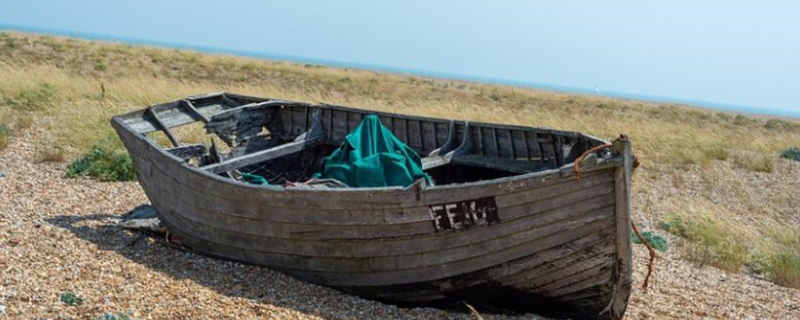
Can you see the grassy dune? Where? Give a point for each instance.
(63, 91)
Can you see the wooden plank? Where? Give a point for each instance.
(481, 143)
(340, 271)
(327, 209)
(586, 184)
(347, 122)
(420, 136)
(330, 124)
(434, 162)
(599, 295)
(356, 199)
(496, 143)
(562, 273)
(511, 143)
(229, 100)
(237, 125)
(558, 145)
(549, 150)
(256, 105)
(538, 147)
(502, 164)
(164, 128)
(428, 136)
(413, 117)
(242, 99)
(624, 272)
(367, 198)
(264, 155)
(259, 209)
(210, 95)
(141, 126)
(527, 146)
(597, 275)
(450, 143)
(412, 253)
(523, 210)
(395, 239)
(546, 262)
(139, 121)
(435, 143)
(338, 130)
(407, 138)
(299, 119)
(502, 188)
(289, 113)
(504, 144)
(332, 220)
(578, 146)
(500, 275)
(189, 105)
(188, 151)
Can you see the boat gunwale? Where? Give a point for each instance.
(562, 171)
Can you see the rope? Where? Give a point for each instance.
(652, 256)
(580, 158)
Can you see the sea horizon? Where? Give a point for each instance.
(597, 91)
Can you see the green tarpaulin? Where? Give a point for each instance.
(371, 156)
(254, 179)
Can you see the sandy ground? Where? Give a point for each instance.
(59, 235)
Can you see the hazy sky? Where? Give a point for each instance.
(735, 52)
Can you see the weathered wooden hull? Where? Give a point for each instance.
(559, 245)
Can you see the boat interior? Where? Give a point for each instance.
(286, 142)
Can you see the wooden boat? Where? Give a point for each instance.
(506, 222)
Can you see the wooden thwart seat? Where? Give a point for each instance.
(163, 127)
(313, 137)
(264, 155)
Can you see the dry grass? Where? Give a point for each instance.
(50, 153)
(70, 89)
(784, 263)
(61, 76)
(754, 161)
(717, 242)
(713, 241)
(5, 136)
(731, 218)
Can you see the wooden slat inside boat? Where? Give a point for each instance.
(505, 221)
